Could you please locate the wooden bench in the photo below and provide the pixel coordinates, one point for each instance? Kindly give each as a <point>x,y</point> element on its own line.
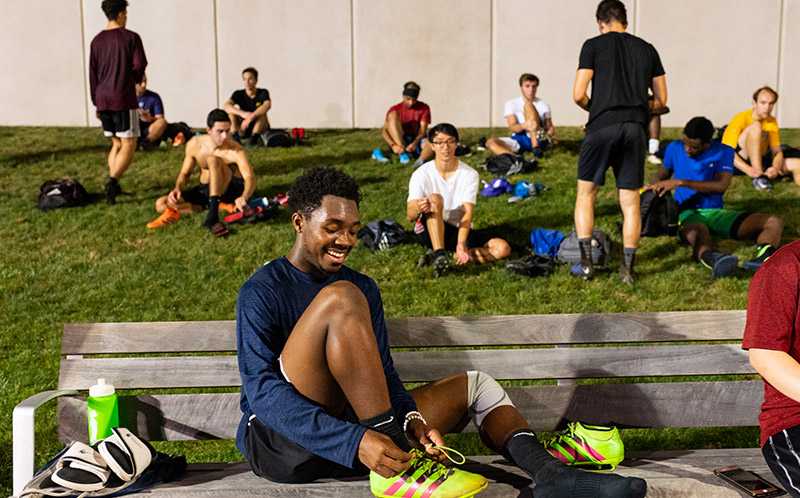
<point>156,357</point>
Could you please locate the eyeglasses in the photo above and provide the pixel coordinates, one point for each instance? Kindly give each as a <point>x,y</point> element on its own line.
<point>444,143</point>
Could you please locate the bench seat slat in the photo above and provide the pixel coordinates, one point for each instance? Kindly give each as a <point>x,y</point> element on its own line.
<point>684,474</point>
<point>149,337</point>
<point>424,366</point>
<point>678,404</point>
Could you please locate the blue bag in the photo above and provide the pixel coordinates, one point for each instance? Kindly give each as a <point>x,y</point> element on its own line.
<point>545,242</point>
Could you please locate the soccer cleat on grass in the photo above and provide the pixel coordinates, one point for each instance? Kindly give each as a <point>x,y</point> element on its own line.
<point>721,264</point>
<point>592,447</point>
<point>112,191</point>
<point>377,155</point>
<point>440,262</point>
<point>579,270</point>
<point>227,207</point>
<point>168,217</point>
<point>404,158</point>
<point>763,253</point>
<point>427,478</point>
<point>762,183</point>
<point>654,160</point>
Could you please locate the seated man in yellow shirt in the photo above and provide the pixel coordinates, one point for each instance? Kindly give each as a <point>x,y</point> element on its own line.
<point>755,136</point>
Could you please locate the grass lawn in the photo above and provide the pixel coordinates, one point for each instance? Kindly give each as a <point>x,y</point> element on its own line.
<point>100,263</point>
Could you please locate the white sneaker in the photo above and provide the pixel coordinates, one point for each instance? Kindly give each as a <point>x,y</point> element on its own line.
<point>653,159</point>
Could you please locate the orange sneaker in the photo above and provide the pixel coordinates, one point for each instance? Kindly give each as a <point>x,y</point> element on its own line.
<point>227,207</point>
<point>178,140</point>
<point>168,217</point>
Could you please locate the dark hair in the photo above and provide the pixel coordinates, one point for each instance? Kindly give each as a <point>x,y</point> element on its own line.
<point>112,8</point>
<point>411,89</point>
<point>765,88</point>
<point>445,128</point>
<point>217,116</point>
<point>612,10</point>
<point>252,70</point>
<point>700,128</point>
<point>307,191</point>
<point>528,77</point>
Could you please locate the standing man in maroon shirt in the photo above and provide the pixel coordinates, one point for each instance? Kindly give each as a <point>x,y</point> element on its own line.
<point>116,64</point>
<point>772,335</point>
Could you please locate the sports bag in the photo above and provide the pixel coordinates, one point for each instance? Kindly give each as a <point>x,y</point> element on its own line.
<point>277,138</point>
<point>380,235</point>
<point>509,164</point>
<point>546,242</point>
<point>659,214</point>
<point>65,192</point>
<point>569,252</point>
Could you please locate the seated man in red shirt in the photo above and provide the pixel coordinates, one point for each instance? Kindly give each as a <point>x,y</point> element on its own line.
<point>405,127</point>
<point>772,335</point>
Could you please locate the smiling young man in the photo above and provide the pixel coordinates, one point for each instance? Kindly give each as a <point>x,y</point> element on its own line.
<point>755,135</point>
<point>529,120</point>
<point>699,171</point>
<point>320,394</point>
<point>441,200</point>
<point>248,108</point>
<point>225,177</point>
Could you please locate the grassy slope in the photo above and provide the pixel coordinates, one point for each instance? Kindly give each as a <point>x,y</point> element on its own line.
<point>99,264</point>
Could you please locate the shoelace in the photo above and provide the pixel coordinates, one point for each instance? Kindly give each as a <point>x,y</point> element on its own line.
<point>445,450</point>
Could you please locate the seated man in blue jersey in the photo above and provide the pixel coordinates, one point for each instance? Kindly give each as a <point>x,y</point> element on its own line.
<point>321,397</point>
<point>699,171</point>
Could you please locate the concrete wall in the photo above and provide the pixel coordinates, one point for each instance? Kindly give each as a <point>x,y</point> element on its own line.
<point>342,63</point>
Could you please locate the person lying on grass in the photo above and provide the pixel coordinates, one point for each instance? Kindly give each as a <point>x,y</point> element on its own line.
<point>441,201</point>
<point>226,178</point>
<point>321,397</point>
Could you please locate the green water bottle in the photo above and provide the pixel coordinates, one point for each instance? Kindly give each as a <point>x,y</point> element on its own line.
<point>102,410</point>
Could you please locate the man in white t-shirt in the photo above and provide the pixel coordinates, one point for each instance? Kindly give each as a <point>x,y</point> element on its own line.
<point>529,119</point>
<point>441,200</point>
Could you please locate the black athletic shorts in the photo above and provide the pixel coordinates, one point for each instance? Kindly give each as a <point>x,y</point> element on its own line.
<point>789,152</point>
<point>121,124</point>
<point>782,453</point>
<point>621,146</point>
<point>198,195</point>
<point>476,238</point>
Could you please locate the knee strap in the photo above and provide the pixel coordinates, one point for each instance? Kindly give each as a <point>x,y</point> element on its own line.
<point>484,394</point>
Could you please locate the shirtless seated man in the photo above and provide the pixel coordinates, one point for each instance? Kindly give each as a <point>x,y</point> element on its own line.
<point>225,177</point>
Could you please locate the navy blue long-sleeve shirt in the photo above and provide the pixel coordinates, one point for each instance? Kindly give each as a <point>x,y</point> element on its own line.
<point>270,304</point>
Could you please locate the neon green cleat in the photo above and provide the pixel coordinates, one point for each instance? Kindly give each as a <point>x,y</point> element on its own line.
<point>593,447</point>
<point>427,478</point>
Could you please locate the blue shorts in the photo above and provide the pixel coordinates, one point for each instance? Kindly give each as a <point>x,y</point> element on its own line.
<point>523,140</point>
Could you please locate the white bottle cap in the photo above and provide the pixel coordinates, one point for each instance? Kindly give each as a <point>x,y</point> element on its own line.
<point>101,389</point>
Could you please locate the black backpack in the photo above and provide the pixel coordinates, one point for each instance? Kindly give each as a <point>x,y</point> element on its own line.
<point>532,266</point>
<point>380,235</point>
<point>509,164</point>
<point>277,138</point>
<point>65,192</point>
<point>659,214</point>
<point>569,252</point>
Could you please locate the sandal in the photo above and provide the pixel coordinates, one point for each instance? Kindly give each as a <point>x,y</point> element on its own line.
<point>126,455</point>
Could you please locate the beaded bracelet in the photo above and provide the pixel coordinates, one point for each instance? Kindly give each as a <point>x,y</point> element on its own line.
<point>413,415</point>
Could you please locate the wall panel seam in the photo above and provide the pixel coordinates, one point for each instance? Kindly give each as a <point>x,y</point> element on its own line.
<point>215,15</point>
<point>85,68</point>
<point>781,36</point>
<point>492,68</point>
<point>352,65</point>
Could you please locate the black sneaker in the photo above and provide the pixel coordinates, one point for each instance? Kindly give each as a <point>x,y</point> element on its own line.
<point>627,275</point>
<point>426,259</point>
<point>112,191</point>
<point>721,264</point>
<point>763,253</point>
<point>440,263</point>
<point>463,150</point>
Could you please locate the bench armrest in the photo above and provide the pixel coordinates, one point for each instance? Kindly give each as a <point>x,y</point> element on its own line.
<point>23,420</point>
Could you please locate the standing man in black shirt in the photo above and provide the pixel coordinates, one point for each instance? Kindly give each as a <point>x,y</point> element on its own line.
<point>248,108</point>
<point>116,64</point>
<point>621,68</point>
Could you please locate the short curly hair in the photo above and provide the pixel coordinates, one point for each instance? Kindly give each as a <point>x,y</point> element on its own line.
<point>307,191</point>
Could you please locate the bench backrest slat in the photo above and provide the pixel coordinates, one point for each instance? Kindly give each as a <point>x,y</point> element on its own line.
<point>683,404</point>
<point>212,336</point>
<point>422,366</point>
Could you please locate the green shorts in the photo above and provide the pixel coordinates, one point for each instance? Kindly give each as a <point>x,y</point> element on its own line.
<point>720,222</point>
